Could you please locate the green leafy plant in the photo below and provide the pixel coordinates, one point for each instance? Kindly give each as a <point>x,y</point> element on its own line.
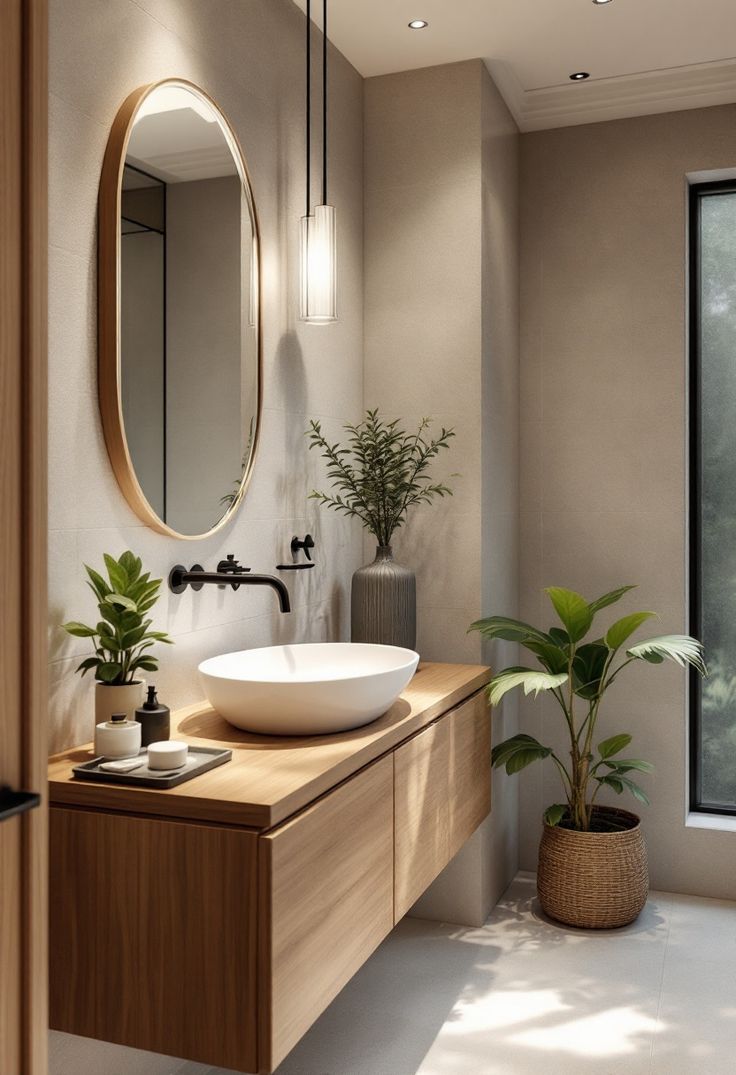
<point>122,639</point>
<point>577,675</point>
<point>381,473</point>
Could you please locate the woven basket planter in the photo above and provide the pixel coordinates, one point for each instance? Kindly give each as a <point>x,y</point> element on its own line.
<point>594,880</point>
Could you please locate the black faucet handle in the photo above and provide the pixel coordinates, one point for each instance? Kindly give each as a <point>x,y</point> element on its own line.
<point>231,566</point>
<point>306,545</point>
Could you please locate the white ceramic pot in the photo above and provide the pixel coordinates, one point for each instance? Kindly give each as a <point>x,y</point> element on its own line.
<point>125,699</point>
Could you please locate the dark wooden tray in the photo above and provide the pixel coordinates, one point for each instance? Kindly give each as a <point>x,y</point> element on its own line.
<point>199,760</point>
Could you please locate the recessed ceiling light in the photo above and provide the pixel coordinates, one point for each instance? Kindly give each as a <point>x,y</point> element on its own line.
<point>578,76</point>
<point>418,24</point>
<point>601,1</point>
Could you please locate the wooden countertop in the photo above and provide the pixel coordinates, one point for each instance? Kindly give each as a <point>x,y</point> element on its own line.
<point>269,778</point>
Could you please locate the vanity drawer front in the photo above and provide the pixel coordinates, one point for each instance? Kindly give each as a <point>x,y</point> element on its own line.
<point>422,813</point>
<point>326,903</point>
<point>442,792</point>
<point>470,768</point>
<point>153,935</point>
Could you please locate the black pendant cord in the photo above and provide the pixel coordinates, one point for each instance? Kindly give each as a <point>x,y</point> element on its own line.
<point>309,104</point>
<point>324,102</point>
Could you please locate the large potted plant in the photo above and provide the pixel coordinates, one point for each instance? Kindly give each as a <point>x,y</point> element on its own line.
<point>592,859</point>
<point>122,638</point>
<point>378,477</point>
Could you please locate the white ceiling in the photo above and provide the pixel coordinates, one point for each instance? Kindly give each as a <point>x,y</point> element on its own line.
<point>643,55</point>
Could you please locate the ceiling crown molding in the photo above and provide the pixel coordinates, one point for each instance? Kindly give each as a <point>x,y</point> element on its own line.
<point>568,105</point>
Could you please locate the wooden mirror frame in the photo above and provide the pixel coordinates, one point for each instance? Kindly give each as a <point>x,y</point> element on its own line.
<point>108,306</point>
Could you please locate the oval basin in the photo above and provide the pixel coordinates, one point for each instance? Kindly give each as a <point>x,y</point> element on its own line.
<point>309,689</point>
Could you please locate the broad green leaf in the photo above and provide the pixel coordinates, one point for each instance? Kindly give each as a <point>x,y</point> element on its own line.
<point>118,574</point>
<point>133,637</point>
<point>532,680</point>
<point>98,584</point>
<point>635,790</point>
<point>508,629</point>
<point>503,751</point>
<point>560,638</point>
<point>612,746</point>
<point>572,609</point>
<point>587,667</point>
<point>87,664</point>
<point>552,657</point>
<point>619,631</point>
<point>553,815</point>
<point>110,644</point>
<point>79,630</point>
<point>522,758</point>
<point>109,671</point>
<point>682,649</point>
<point>112,614</point>
<point>609,598</point>
<point>131,564</point>
<point>612,781</point>
<point>121,601</point>
<point>149,664</point>
<point>627,765</point>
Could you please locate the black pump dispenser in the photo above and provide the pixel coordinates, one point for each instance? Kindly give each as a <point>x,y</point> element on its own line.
<point>154,718</point>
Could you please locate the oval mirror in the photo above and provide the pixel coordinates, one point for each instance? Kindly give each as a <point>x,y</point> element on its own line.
<point>179,310</point>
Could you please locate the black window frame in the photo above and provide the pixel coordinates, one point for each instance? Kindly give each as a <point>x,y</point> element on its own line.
<point>696,193</point>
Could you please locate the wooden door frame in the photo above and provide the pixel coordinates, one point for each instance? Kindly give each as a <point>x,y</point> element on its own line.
<point>35,530</point>
<point>23,497</point>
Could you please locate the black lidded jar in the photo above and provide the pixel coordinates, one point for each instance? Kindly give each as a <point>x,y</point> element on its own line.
<point>154,719</point>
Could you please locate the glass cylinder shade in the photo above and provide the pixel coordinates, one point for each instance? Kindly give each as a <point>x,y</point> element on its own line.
<point>319,266</point>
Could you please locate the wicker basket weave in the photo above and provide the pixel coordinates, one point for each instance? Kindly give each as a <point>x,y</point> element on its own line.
<point>594,880</point>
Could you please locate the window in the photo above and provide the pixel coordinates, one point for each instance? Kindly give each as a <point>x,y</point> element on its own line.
<point>713,493</point>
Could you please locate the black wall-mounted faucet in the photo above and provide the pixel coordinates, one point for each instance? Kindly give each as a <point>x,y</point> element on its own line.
<point>229,573</point>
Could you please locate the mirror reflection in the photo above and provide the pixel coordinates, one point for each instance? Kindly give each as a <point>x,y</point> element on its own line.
<point>189,332</point>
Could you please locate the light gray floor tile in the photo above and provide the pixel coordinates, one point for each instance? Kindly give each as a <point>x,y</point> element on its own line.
<point>520,996</point>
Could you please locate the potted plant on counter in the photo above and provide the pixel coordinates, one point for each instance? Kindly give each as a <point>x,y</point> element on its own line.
<point>592,859</point>
<point>380,475</point>
<point>123,637</point>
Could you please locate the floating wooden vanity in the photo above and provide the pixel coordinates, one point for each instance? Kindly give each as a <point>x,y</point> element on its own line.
<point>217,920</point>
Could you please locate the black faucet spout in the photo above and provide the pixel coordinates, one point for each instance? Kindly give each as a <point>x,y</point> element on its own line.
<point>276,584</point>
<point>229,573</point>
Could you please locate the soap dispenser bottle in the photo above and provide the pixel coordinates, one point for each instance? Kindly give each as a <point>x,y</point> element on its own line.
<point>154,719</point>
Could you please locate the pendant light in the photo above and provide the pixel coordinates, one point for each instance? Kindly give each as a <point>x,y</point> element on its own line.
<point>318,235</point>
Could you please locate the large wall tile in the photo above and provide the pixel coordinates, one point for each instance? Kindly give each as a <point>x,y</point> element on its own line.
<point>603,442</point>
<point>250,58</point>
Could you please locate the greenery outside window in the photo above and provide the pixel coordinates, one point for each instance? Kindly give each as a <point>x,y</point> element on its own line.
<point>713,493</point>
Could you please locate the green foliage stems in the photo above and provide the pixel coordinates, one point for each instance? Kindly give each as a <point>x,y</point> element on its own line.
<point>122,638</point>
<point>381,473</point>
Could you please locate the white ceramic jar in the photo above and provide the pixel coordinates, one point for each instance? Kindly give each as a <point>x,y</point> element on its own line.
<point>118,738</point>
<point>167,754</point>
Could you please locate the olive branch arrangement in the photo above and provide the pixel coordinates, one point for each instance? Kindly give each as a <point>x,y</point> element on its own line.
<point>382,471</point>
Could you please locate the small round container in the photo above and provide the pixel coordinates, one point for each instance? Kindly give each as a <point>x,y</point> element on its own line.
<point>169,754</point>
<point>117,738</point>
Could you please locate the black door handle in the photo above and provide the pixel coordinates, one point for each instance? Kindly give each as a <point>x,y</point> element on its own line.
<point>17,802</point>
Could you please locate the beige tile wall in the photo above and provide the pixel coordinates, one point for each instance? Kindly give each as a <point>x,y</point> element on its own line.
<point>603,431</point>
<point>249,57</point>
<point>441,339</point>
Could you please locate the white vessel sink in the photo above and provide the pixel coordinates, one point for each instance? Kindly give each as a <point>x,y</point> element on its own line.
<point>310,689</point>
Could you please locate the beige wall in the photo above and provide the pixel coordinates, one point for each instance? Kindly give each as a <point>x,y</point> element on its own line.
<point>441,339</point>
<point>603,431</point>
<point>250,59</point>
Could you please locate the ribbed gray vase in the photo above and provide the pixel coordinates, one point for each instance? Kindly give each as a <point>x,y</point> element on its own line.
<point>383,605</point>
